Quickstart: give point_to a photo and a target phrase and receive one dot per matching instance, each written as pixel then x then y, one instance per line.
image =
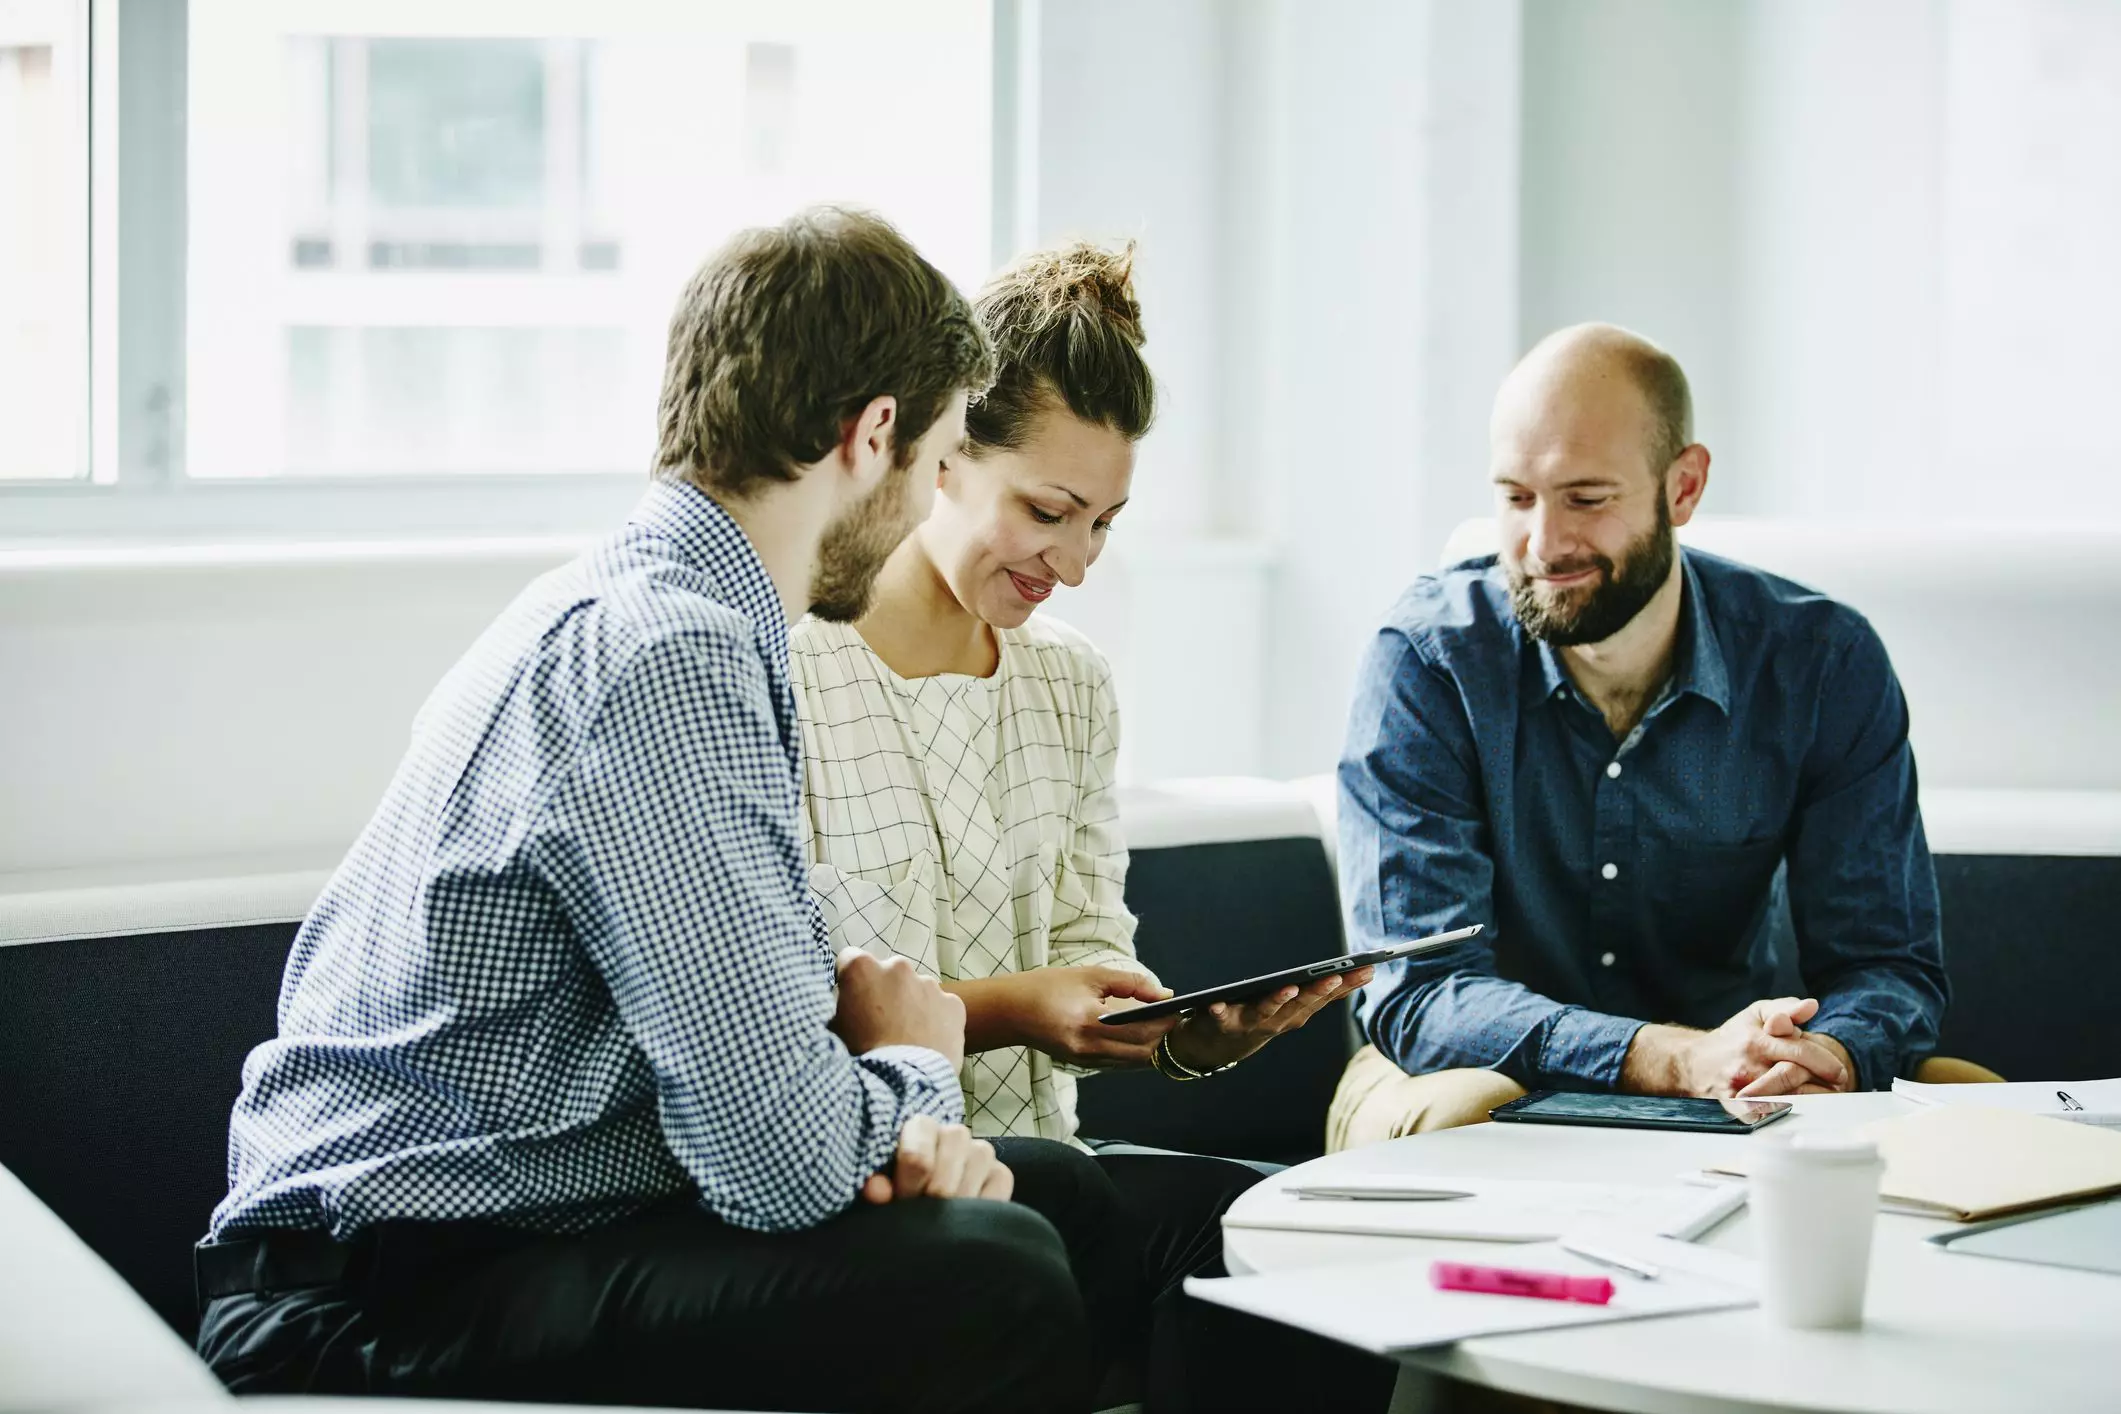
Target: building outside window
pixel 423 244
pixel 43 240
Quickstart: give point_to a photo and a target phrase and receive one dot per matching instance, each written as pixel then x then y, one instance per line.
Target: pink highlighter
pixel 1507 1281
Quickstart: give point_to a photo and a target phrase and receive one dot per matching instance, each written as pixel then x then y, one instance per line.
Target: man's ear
pixel 1685 482
pixel 866 441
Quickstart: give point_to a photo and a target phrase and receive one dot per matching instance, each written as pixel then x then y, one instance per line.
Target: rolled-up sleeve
pixel 1415 860
pixel 671 840
pixel 1863 890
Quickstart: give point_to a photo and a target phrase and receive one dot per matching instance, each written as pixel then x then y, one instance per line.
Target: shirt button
pixel 1611 871
pixel 1613 771
pixel 1607 960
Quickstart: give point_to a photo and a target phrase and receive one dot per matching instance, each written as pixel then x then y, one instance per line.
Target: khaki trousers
pixel 1377 1100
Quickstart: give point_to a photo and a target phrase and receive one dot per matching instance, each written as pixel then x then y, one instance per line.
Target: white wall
pixel 1836 391
pixel 1326 195
pixel 1879 237
pixel 211 710
pixel 1630 169
pixel 196 712
pixel 2008 683
pixel 1128 148
pixel 1381 309
pixel 1130 143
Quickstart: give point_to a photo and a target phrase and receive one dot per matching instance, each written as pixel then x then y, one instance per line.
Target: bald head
pixel 1595 381
pixel 1587 536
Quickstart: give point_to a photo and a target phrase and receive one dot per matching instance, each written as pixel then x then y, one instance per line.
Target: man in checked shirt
pixel 567 1101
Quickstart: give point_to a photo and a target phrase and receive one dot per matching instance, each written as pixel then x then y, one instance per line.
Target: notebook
pixel 1383 1307
pixel 2087 1238
pixel 1970 1163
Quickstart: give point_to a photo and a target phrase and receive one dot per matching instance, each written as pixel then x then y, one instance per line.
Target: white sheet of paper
pixel 1500 1210
pixel 1383 1307
pixel 2101 1098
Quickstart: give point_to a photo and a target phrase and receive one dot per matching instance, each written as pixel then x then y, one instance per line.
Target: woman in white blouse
pixel 960 752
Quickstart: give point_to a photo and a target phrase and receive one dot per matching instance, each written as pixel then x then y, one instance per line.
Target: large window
pixel 44 306
pixel 402 249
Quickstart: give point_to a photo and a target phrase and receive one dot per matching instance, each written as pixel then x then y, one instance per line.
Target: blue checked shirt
pixel 572 965
pixel 1764 807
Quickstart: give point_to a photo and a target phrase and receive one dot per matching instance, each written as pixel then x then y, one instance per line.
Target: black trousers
pixel 1063 1298
pixel 1207 1359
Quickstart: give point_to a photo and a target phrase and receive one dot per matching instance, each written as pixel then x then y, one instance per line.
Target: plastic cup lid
pixel 1826 1150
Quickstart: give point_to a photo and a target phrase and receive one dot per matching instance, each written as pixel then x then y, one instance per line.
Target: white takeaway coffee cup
pixel 1814 1201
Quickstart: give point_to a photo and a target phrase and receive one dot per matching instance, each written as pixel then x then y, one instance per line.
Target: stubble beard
pixel 855 546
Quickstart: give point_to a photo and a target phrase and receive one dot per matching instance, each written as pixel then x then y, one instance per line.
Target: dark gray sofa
pixel 121 1054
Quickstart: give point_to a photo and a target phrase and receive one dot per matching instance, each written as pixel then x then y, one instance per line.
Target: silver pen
pixel 2067 1102
pixel 1377 1194
pixel 1612 1259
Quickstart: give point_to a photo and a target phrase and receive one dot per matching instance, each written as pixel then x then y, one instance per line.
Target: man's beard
pixel 1595 614
pixel 854 549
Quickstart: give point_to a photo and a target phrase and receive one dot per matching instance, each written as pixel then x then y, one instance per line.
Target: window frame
pixel 133 485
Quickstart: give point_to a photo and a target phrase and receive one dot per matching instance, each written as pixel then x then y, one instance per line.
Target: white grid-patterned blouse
pixel 969 824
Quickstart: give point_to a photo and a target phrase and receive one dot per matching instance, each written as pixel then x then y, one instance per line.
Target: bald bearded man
pixel 1649 771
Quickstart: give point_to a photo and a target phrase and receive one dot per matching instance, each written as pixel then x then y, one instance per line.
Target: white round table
pixel 1943 1334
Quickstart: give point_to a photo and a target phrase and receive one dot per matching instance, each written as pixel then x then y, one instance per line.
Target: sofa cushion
pixel 1213 913
pixel 2030 947
pixel 124 1056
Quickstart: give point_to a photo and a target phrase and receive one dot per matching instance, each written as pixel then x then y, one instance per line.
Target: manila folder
pixel 1973 1164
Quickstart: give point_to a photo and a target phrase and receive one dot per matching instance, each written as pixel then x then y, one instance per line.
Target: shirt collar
pixel 1553 678
pixel 710 540
pixel 1701 669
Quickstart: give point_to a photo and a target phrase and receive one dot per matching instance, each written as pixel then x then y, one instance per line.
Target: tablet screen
pixel 1651 1108
pixel 1252 987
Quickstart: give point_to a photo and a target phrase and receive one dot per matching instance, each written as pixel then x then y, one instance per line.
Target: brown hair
pixel 1067 331
pixel 787 332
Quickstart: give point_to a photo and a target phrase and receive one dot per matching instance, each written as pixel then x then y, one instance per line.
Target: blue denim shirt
pixel 1767 801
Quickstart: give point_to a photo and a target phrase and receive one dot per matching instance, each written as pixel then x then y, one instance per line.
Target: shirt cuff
pixel 1588 1048
pixel 1867 1047
pixel 928 1085
pixel 1103 957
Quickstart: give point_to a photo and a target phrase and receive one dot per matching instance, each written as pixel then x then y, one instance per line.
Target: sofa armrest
pixel 71 1331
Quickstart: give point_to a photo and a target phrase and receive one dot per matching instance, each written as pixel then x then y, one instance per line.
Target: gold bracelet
pixel 1172 1068
pixel 1166 1066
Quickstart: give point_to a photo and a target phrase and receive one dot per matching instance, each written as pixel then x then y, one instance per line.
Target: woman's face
pixel 1009 525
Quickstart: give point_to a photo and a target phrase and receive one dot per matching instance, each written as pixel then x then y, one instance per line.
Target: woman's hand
pixel 1056 1010
pixel 1227 1032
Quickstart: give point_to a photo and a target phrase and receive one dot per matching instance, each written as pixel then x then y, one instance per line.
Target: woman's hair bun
pixel 1067 327
pixel 1083 278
